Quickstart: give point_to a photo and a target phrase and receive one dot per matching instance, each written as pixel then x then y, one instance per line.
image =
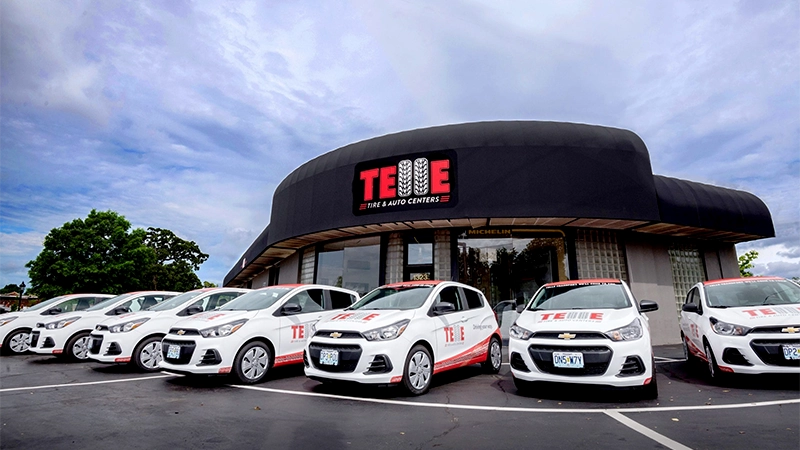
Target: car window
pixel 255 300
pixel 341 299
pixel 752 293
pixel 473 299
pixel 451 295
pixel 581 296
pixel 309 300
pixel 140 303
pixel 401 297
pixel 213 302
pixel 694 297
pixel 71 304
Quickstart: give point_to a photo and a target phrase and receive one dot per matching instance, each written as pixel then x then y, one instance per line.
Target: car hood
pixel 211 318
pixel 130 316
pixel 363 320
pixel 757 316
pixel 600 320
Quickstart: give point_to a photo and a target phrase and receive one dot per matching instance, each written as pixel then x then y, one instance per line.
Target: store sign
pixel 403 183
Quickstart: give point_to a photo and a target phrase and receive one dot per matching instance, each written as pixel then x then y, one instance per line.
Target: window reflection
pixel 352 264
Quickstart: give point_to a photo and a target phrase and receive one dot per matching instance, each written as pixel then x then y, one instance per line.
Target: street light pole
pixel 21 290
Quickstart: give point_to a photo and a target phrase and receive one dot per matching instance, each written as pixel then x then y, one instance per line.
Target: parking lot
pixel 47 403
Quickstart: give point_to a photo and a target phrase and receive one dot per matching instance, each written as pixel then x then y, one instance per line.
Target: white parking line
pixel 639 428
pixel 88 383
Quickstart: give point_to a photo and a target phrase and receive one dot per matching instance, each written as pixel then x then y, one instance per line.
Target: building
pixel 506 207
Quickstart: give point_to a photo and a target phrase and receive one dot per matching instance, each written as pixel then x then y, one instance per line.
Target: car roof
pixel 415 283
pixel 584 282
pixel 741 280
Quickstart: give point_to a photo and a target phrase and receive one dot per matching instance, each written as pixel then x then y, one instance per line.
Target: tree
pixel 98 254
pixel 208 284
pixel 175 261
pixel 9 288
pixel 746 262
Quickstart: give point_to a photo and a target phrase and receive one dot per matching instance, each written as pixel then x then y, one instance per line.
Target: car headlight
pixel 5 320
pixel 222 330
pixel 629 332
pixel 61 323
pixel 517 332
pixel 127 326
pixel 387 333
pixel 727 329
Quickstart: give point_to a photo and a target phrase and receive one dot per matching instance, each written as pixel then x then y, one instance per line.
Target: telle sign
pixel 406 182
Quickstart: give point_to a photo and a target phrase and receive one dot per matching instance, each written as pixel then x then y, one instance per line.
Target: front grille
pixel 48 343
pixel 210 358
pixel 187 349
pixel 305 359
pixel 771 351
pixel 595 359
pixel 113 349
pixel 518 363
pixel 35 338
pixel 380 364
pixel 344 334
pixel 97 342
pixel 185 332
pixel 348 357
pixel 776 329
pixel 734 357
pixel 632 366
pixel 577 334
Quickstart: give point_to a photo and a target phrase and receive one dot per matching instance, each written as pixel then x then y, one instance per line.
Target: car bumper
pixel 198 355
pixel 48 342
pixel 754 353
pixel 618 364
pixel 112 347
pixel 360 360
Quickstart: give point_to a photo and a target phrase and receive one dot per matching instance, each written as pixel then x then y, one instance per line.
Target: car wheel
pixel 650 391
pixel 712 368
pixel 147 355
pixel 494 358
pixel 77 348
pixel 418 370
pixel 17 342
pixel 252 362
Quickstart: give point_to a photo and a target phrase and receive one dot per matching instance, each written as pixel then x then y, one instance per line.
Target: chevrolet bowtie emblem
pixel 336 335
pixel 181 332
pixel 566 336
pixel 790 330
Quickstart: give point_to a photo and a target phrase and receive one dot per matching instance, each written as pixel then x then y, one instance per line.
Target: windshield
pixel 176 301
pixel 46 303
pixel 752 293
pixel 107 302
pixel 404 297
pixel 581 296
pixel 255 300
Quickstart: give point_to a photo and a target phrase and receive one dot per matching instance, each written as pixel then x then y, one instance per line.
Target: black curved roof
pixel 512 169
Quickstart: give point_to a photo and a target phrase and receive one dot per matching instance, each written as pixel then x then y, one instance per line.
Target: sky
pixel 186 115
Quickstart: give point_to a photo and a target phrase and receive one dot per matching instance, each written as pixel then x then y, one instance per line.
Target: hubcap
pixel 497 354
pixel 254 363
pixel 150 355
pixel 81 347
pixel 419 370
pixel 20 342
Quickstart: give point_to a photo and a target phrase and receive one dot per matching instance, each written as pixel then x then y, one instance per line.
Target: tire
pixel 421 176
pixel 17 342
pixel 77 347
pixel 252 362
pixel 147 354
pixel 712 369
pixel 650 391
pixel 494 356
pixel 418 370
pixel 405 179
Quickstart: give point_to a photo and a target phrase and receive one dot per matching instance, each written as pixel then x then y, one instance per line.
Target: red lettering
pixel 301 331
pixel 752 312
pixel 446 334
pixel 368 176
pixel 546 316
pixel 560 316
pixel 440 176
pixel 341 316
pixel 462 333
pixel 370 317
pixel 388 183
pixel 767 312
pixel 450 334
pixel 596 316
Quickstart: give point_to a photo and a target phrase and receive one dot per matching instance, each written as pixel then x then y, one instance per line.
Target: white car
pixel 136 337
pixel 15 328
pixel 67 334
pixel 259 330
pixel 404 333
pixel 743 325
pixel 584 332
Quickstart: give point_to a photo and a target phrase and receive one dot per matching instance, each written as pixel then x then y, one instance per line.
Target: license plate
pixel 791 351
pixel 329 357
pixel 174 352
pixel 568 360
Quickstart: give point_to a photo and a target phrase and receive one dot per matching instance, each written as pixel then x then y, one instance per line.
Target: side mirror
pixel 444 308
pixel 54 311
pixel 194 309
pixel 520 308
pixel 689 307
pixel 291 308
pixel 120 310
pixel 648 306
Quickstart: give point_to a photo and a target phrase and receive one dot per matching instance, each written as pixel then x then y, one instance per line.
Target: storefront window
pixel 352 264
pixel 419 257
pixel 509 265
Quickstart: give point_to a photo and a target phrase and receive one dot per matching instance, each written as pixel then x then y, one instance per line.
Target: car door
pixel 691 322
pixel 294 325
pixel 450 329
